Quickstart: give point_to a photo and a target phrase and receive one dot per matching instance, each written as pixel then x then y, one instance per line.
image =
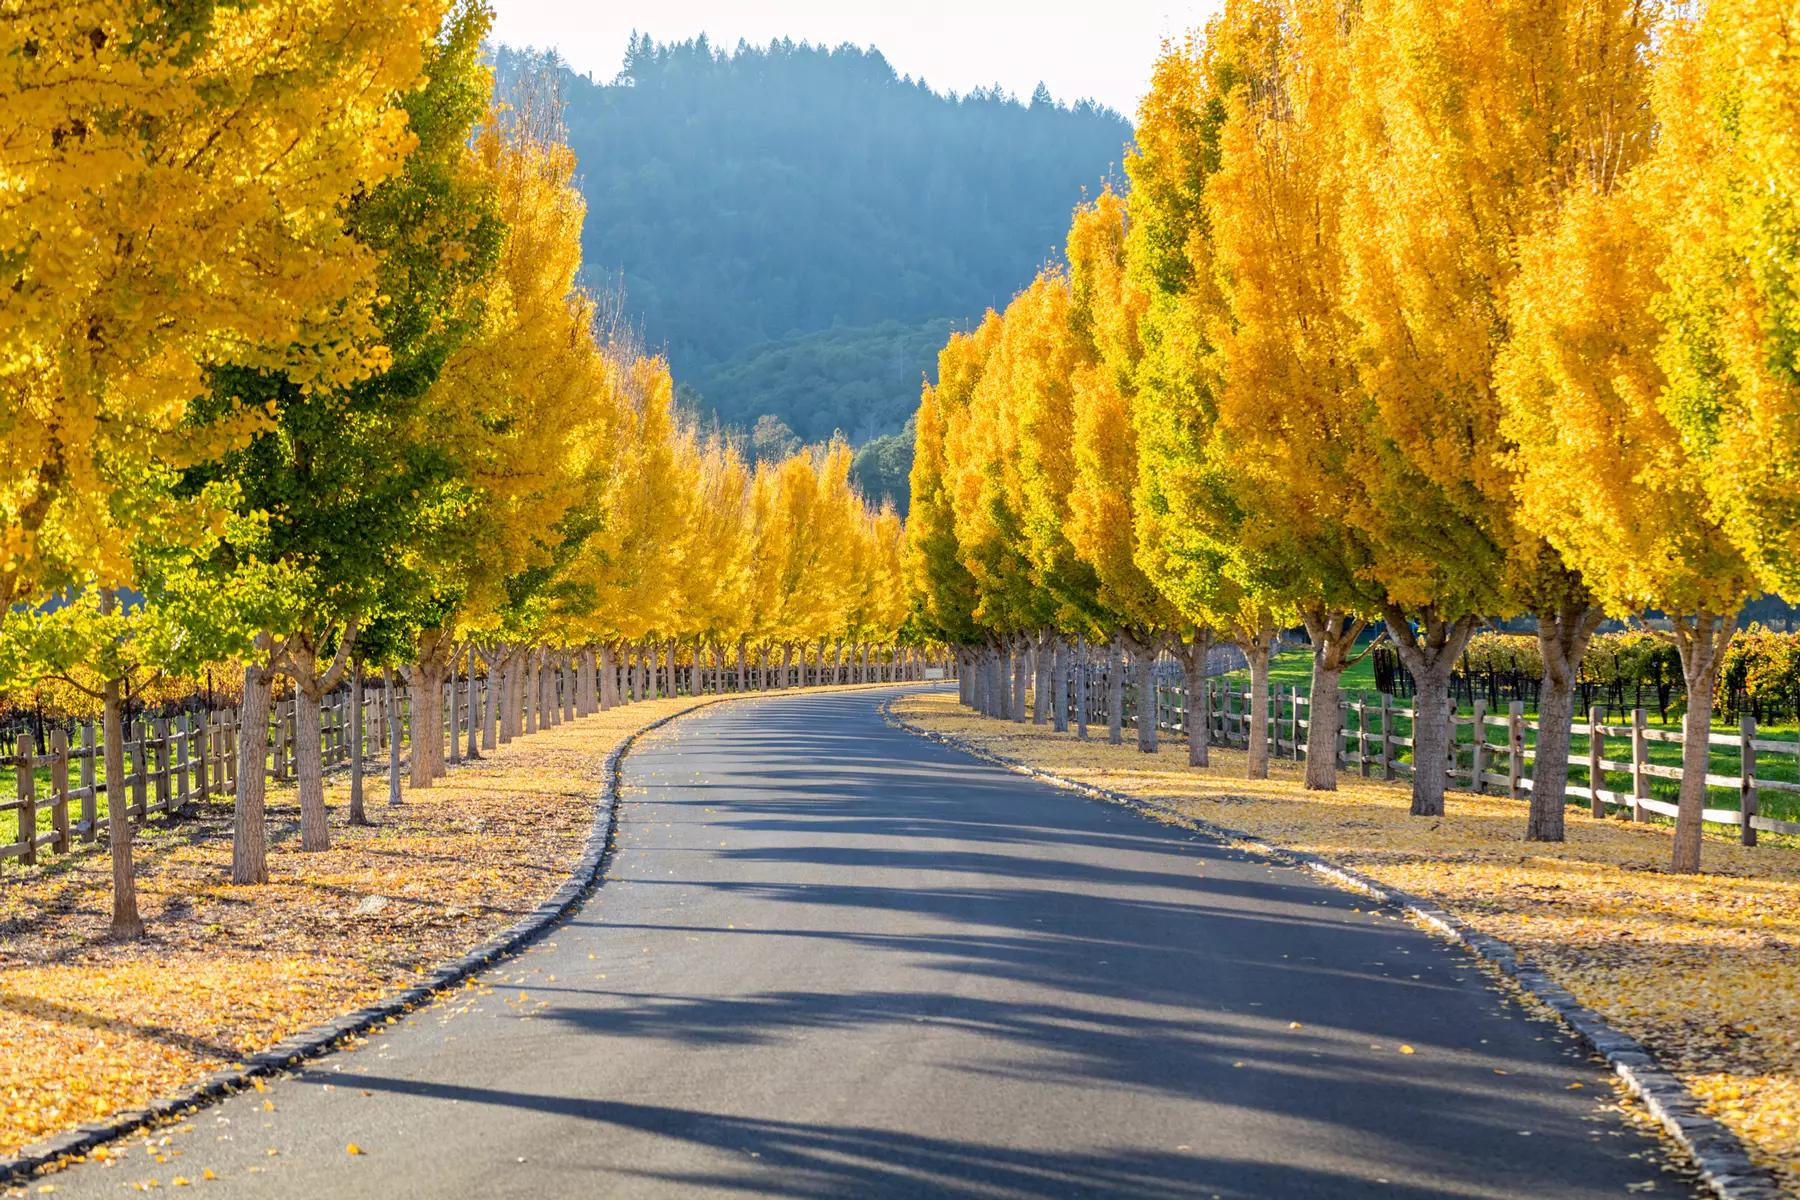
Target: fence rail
pixel 1497 755
pixel 171 762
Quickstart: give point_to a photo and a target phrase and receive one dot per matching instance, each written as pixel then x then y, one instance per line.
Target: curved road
pixel 832 959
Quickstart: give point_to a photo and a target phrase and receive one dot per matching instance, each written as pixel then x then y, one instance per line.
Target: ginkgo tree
pixel 176 200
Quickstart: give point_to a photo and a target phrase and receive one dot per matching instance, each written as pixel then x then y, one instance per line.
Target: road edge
pixel 587 874
pixel 1719 1154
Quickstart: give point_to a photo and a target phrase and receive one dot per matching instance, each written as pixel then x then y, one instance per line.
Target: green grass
pixel 1293 668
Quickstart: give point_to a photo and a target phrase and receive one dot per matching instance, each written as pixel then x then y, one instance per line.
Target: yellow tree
pixel 941 591
pixel 1192 532
pixel 981 452
pixel 174 200
pixel 1727 177
pixel 1468 118
pixel 1605 473
pixel 529 412
pixel 1250 404
pixel 1032 375
pixel 1104 313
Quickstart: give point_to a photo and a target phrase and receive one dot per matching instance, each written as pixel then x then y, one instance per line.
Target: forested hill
pixel 798 225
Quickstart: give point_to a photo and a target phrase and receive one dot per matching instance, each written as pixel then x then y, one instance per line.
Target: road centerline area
pixel 832 959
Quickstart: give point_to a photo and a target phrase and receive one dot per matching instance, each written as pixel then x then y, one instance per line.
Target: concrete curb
pixel 322 1038
pixel 1723 1163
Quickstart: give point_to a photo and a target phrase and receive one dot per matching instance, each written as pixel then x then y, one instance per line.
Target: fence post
pixel 228 750
pixel 185 772
pixel 1452 753
pixel 1478 765
pixel 203 739
pixel 90 797
pixel 59 781
pixel 1747 794
pixel 277 753
pixel 25 780
pixel 1515 747
pixel 140 777
pixel 1294 721
pixel 161 726
pixel 1387 736
pixel 1640 756
pixel 1596 773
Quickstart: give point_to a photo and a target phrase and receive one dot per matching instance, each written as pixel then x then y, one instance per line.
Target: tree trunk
pixel 490 714
pixel 1059 685
pixel 787 659
pixel 249 837
pixel 506 726
pixel 1040 694
pixel 1430 659
pixel 1081 687
pixel 1333 636
pixel 1115 694
pixel 1563 637
pixel 1192 652
pixel 476 721
pixel 1702 640
pixel 315 829
pixel 609 676
pixel 1256 653
pixel 392 700
pixel 1021 645
pixel 1146 699
pixel 127 925
pixel 358 815
pixel 650 689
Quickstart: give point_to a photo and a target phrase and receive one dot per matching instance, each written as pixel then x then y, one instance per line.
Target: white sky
pixel 1100 50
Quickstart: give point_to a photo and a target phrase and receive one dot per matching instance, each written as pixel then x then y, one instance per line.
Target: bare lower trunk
pixel 1563 638
pixel 315 830
pixel 1115 696
pixel 126 923
pixel 1702 640
pixel 391 698
pixel 1146 700
pixel 358 814
pixel 1256 764
pixel 1430 658
pixel 1081 688
pixel 476 721
pixel 1192 654
pixel 249 844
pixel 1333 636
pixel 1020 668
pixel 609 677
pixel 1059 685
pixel 490 714
pixel 1045 663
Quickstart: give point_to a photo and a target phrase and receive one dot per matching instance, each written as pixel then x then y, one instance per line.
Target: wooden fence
pixel 1375 740
pixel 174 761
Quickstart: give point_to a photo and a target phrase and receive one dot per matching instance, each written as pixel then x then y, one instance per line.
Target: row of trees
pixel 1418 313
pixel 296 371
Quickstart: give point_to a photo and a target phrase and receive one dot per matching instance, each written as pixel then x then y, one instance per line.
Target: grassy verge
pixel 1705 970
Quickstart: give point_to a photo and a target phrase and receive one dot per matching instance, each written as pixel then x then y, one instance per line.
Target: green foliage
pixel 346 481
pixel 754 197
pixel 860 382
pixel 881 467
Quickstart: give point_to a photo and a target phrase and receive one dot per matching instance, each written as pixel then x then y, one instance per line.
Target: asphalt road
pixel 832 959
